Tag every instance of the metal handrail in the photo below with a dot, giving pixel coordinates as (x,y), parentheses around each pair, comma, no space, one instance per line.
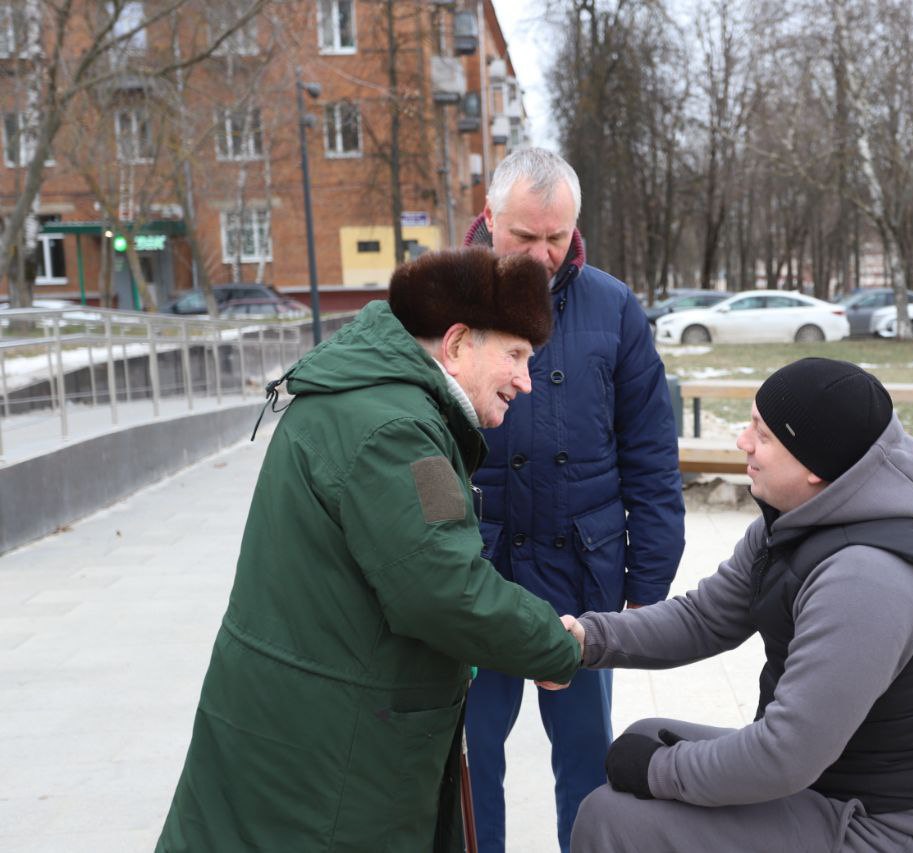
(260,345)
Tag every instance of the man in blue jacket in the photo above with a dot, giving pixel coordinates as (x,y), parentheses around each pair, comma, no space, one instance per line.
(581,494)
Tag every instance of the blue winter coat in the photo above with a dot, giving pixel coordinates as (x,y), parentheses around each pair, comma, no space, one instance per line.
(581,492)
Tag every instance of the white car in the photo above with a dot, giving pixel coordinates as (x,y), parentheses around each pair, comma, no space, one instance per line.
(757,316)
(884,320)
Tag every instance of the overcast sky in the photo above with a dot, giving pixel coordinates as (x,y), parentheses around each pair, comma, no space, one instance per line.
(527,37)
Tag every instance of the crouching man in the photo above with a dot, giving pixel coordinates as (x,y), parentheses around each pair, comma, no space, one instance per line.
(825,575)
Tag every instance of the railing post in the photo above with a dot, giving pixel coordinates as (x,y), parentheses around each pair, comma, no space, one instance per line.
(241,360)
(185,362)
(112,378)
(697,417)
(3,388)
(92,372)
(61,385)
(262,357)
(153,368)
(217,336)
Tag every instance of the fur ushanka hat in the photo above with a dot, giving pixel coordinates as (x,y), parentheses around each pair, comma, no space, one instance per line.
(473,286)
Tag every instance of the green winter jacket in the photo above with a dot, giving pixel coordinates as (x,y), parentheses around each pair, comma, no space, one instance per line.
(331,709)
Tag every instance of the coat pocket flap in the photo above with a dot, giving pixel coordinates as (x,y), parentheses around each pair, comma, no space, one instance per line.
(598,526)
(491,533)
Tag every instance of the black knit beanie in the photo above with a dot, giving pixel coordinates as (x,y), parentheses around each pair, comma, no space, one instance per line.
(827,413)
(473,286)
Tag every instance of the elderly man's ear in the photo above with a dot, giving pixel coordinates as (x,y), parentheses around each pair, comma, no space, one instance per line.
(454,343)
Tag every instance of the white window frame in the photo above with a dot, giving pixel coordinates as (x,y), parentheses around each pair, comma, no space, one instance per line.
(242,41)
(131,15)
(139,118)
(25,144)
(9,43)
(250,136)
(44,246)
(335,47)
(256,218)
(336,151)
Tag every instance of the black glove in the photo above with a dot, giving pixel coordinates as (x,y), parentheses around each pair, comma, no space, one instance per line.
(628,759)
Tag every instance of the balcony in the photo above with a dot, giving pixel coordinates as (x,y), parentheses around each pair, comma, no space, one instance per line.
(448,80)
(500,130)
(465,33)
(497,71)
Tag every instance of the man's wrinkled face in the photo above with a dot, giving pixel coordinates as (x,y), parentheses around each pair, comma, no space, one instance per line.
(492,369)
(526,226)
(777,477)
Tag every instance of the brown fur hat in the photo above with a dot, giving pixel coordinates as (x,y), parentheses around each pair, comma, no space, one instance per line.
(473,286)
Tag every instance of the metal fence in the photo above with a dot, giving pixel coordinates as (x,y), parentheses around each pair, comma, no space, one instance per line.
(51,360)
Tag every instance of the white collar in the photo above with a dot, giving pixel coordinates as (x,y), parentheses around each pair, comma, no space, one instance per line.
(460,396)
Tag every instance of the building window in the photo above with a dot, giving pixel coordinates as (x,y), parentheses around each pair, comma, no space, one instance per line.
(342,123)
(127,29)
(369,245)
(13,30)
(134,139)
(52,268)
(242,41)
(252,229)
(18,143)
(336,25)
(239,135)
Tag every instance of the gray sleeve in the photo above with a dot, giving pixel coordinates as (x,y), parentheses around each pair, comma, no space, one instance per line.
(704,622)
(854,634)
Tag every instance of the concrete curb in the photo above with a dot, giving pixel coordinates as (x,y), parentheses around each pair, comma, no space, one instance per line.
(42,494)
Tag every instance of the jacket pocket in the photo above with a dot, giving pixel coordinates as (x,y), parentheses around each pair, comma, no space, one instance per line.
(600,542)
(491,532)
(394,782)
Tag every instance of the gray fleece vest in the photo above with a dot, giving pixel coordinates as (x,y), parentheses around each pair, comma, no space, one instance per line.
(876,766)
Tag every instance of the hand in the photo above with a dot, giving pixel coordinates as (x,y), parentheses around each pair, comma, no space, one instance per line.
(571,624)
(628,761)
(576,630)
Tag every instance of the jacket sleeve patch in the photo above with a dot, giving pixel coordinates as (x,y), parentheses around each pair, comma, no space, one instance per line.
(439,490)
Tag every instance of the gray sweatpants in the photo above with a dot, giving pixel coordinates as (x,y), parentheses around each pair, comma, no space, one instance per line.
(806,822)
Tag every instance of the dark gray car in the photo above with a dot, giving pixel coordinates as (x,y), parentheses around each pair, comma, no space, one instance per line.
(193,301)
(685,302)
(861,304)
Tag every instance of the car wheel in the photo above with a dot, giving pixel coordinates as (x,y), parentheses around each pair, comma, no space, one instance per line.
(695,335)
(809,334)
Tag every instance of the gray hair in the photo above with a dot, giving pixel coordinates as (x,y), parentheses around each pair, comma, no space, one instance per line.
(543,169)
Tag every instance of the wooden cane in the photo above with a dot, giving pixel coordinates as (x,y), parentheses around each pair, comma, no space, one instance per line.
(469,820)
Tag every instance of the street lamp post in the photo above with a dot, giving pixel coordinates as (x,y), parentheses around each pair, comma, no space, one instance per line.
(304,121)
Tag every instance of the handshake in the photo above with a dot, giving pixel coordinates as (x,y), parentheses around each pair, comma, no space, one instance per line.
(575,628)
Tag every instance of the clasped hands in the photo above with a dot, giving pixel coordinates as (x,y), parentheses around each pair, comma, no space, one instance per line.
(574,627)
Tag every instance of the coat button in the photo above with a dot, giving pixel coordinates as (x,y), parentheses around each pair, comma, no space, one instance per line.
(517,461)
(519,539)
(561,457)
(557,377)
(560,541)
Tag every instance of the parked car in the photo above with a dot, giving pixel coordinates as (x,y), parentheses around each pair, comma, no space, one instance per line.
(684,301)
(757,316)
(194,302)
(284,308)
(46,304)
(884,320)
(863,304)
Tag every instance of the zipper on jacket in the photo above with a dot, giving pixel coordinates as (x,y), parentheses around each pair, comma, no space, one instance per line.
(759,569)
(476,500)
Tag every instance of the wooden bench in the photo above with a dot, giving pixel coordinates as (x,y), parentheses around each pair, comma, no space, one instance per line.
(710,456)
(696,390)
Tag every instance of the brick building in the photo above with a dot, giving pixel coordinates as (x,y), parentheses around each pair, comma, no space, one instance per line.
(202,169)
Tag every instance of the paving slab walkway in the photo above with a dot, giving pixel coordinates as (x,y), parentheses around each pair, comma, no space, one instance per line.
(106,630)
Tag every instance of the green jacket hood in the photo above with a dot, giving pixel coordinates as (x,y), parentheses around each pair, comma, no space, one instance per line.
(371,350)
(374,349)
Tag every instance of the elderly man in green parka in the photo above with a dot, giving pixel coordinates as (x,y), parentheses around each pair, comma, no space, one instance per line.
(330,716)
